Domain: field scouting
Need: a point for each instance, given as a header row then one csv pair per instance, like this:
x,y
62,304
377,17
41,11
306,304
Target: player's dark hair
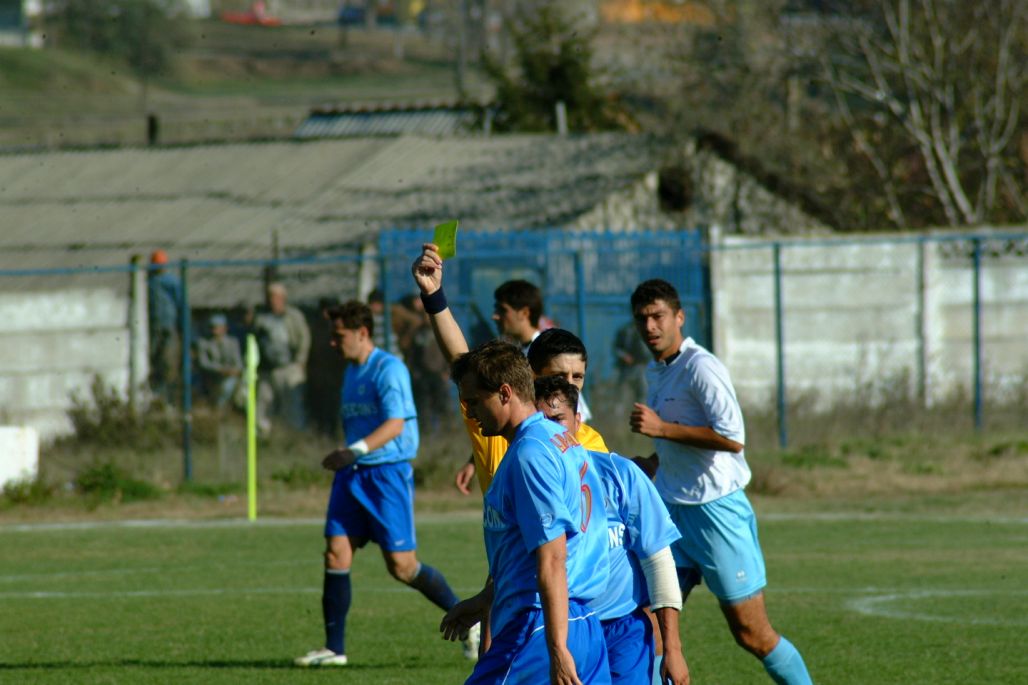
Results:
x,y
353,314
549,387
553,342
494,363
518,294
648,292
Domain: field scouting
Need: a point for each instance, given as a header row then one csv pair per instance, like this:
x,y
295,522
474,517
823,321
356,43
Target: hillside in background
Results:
x,y
232,83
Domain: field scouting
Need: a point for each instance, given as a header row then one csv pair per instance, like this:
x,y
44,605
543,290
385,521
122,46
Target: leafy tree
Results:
x,y
552,63
143,33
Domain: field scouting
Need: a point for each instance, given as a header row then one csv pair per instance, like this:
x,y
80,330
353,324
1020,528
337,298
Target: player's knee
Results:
x,y
402,570
758,641
334,561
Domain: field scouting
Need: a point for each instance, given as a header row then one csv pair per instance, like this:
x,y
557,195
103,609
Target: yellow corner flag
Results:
x,y
252,359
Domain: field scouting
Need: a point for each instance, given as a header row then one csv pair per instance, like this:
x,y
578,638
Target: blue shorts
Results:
x,y
518,653
630,648
374,503
719,542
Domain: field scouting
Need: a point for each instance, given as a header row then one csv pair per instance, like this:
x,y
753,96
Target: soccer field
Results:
x,y
868,599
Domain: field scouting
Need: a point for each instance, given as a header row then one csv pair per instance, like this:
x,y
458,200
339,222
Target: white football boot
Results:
x,y
321,657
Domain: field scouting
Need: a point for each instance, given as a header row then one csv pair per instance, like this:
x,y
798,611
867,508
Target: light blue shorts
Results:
x,y
518,654
719,542
630,648
374,503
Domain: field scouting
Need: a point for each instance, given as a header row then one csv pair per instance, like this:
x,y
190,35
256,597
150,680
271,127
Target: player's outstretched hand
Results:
x,y
646,421
427,269
458,620
464,477
339,459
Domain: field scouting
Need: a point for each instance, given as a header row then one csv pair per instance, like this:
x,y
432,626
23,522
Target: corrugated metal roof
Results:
x,y
85,208
433,122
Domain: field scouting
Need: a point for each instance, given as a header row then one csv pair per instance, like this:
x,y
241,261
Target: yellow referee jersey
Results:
x,y
488,452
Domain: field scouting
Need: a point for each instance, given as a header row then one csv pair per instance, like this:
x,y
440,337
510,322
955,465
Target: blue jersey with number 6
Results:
x,y
546,486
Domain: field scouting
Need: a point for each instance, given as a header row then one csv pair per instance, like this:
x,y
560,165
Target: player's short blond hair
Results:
x,y
496,363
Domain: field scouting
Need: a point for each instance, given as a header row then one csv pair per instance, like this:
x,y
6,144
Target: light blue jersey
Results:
x,y
546,486
638,526
374,391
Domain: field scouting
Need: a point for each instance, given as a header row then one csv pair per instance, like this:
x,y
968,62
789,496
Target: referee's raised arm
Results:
x,y
427,270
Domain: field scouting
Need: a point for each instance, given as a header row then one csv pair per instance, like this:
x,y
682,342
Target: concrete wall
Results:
x,y
861,313
52,344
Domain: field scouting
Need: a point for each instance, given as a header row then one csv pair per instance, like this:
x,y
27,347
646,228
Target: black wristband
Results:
x,y
434,303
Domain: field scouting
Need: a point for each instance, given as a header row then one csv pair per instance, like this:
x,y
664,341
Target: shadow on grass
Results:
x,y
283,664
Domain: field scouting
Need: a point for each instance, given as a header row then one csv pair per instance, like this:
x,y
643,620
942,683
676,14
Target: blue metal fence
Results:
x,y
587,278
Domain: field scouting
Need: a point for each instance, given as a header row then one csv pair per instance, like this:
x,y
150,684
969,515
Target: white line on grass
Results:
x,y
142,570
844,516
880,605
200,592
425,518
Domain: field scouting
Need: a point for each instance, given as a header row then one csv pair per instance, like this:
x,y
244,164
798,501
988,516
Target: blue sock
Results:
x,y
657,661
335,604
785,665
433,585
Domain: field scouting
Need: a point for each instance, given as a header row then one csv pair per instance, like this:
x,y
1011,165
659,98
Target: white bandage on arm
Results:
x,y
662,580
360,448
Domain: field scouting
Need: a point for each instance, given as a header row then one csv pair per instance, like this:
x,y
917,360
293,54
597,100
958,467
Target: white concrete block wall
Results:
x,y
19,453
52,344
866,312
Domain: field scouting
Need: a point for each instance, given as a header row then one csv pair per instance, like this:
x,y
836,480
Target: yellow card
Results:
x,y
446,238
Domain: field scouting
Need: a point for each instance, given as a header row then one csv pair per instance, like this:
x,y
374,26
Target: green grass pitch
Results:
x,y
893,599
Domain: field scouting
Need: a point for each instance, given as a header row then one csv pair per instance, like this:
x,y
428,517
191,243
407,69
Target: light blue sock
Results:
x,y
785,665
657,661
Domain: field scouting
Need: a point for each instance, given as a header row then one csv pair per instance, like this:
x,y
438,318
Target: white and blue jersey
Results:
x,y
694,389
377,390
638,526
546,486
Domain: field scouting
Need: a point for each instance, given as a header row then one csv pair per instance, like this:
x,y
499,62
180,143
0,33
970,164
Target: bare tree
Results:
x,y
952,75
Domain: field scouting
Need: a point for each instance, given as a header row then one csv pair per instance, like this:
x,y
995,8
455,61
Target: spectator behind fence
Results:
x,y
630,358
164,299
220,362
284,339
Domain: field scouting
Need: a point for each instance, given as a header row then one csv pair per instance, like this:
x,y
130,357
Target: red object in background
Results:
x,y
257,16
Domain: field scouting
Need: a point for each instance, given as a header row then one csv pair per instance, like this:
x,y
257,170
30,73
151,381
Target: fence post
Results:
x,y
580,295
977,303
783,421
387,309
187,376
139,343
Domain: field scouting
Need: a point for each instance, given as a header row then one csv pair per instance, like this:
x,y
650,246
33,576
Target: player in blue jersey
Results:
x,y
545,540
373,491
694,418
642,569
